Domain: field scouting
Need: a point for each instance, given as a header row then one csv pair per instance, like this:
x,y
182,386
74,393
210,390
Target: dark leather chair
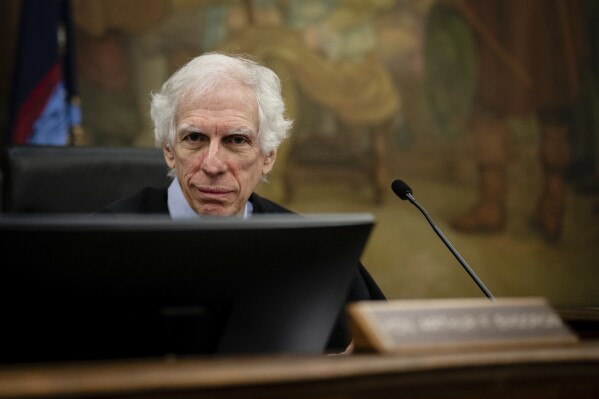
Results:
x,y
44,179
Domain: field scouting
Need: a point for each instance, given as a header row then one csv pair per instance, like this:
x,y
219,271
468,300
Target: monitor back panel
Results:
x,y
105,287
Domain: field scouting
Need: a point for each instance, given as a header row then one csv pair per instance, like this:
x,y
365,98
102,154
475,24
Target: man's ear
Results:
x,y
269,161
169,157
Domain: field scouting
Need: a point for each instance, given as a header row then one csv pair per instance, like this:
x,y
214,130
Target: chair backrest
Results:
x,y
45,179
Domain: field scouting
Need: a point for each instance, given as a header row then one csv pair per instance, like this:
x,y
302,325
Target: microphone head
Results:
x,y
401,189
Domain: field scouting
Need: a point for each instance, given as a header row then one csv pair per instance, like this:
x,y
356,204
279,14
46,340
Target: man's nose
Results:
x,y
214,159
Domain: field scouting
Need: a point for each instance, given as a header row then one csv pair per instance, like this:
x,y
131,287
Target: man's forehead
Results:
x,y
190,127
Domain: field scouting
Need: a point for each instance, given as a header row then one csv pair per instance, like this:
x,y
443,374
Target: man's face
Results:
x,y
216,153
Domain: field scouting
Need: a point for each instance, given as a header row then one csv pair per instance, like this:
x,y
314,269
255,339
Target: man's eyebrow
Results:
x,y
188,128
244,131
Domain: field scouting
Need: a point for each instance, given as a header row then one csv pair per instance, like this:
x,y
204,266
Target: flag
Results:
x,y
45,105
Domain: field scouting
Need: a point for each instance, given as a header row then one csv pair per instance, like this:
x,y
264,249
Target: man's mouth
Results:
x,y
213,192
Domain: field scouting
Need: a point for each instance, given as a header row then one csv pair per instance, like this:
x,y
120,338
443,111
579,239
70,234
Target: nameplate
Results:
x,y
456,324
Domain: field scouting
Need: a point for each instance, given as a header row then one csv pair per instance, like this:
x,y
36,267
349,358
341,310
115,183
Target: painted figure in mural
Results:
x,y
325,51
107,79
529,61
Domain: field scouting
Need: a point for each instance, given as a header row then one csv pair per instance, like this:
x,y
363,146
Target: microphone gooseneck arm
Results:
x,y
403,191
451,248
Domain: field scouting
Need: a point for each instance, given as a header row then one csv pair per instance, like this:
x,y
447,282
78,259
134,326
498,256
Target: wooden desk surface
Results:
x,y
548,372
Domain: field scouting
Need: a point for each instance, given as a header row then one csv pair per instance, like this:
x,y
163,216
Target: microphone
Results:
x,y
403,191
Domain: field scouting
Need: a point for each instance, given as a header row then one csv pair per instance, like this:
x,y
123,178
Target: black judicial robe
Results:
x,y
154,200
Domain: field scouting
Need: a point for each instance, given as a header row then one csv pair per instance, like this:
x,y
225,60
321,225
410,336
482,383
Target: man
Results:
x,y
219,121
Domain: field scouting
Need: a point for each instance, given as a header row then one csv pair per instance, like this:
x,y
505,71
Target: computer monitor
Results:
x,y
82,287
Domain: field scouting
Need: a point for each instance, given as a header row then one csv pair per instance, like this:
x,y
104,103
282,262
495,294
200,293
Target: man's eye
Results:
x,y
193,137
238,139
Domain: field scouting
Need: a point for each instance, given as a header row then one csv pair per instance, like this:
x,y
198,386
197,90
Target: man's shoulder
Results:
x,y
147,200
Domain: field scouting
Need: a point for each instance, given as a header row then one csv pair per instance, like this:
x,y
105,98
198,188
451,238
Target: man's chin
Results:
x,y
216,211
